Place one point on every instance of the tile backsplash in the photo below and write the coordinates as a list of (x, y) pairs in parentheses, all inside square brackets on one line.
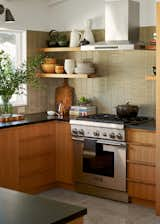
[(120, 79)]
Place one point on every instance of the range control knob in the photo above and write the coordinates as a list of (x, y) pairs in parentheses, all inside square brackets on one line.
[(81, 132), (104, 134), (119, 136), (75, 131), (96, 133), (112, 135)]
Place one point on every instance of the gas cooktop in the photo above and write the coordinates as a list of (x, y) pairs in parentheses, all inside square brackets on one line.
[(112, 118)]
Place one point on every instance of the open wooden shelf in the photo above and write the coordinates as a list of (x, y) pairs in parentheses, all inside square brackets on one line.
[(59, 49), (70, 76), (150, 77)]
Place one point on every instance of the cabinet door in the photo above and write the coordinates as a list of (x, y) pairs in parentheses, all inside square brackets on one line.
[(9, 176), (37, 156), (64, 153)]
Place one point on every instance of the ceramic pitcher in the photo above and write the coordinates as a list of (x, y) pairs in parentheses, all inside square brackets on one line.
[(75, 38)]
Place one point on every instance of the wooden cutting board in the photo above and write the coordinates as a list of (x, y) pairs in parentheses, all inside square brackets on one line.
[(64, 94)]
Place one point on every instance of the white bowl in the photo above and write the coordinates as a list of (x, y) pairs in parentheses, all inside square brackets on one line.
[(51, 112)]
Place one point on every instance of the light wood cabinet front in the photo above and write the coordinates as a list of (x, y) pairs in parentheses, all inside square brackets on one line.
[(37, 157), (9, 149), (141, 153), (64, 153), (141, 156)]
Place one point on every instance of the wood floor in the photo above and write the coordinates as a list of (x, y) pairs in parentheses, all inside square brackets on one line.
[(103, 211)]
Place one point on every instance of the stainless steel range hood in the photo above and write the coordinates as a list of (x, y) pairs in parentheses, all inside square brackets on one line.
[(121, 26)]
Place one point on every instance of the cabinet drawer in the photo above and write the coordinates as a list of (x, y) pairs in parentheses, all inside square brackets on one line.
[(144, 174), (141, 136), (36, 147), (141, 191), (36, 165), (141, 153), (36, 181)]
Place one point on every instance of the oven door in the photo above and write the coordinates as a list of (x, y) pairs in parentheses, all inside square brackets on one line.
[(102, 163)]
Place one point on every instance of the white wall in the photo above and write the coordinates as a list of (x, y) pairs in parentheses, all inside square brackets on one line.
[(29, 14), (73, 13), (37, 15)]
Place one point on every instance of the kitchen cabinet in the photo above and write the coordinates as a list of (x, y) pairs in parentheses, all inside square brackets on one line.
[(37, 156), (141, 155), (9, 149), (64, 154)]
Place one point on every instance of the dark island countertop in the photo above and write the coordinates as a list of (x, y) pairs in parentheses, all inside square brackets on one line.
[(18, 208), (33, 119)]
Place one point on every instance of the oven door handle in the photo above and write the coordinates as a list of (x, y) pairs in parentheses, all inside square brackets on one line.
[(105, 142), (89, 153)]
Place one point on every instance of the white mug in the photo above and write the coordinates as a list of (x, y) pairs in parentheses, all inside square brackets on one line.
[(69, 66)]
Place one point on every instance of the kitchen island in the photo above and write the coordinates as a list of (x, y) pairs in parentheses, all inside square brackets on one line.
[(18, 208)]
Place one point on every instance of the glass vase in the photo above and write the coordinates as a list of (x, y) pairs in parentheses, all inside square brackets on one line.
[(6, 108)]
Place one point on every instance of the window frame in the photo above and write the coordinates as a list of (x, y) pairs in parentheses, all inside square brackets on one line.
[(21, 56)]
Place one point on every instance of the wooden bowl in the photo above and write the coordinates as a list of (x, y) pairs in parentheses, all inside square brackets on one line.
[(50, 60), (48, 68), (59, 69)]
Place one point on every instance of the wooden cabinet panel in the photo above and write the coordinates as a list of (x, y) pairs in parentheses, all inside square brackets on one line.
[(37, 156), (141, 156), (141, 136), (140, 153), (141, 173), (64, 153), (37, 164), (142, 191), (36, 182), (9, 149)]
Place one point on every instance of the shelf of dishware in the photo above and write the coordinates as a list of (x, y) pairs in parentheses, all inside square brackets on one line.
[(66, 76), (150, 77), (59, 49)]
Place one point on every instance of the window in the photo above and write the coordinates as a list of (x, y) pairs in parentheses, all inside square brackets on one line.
[(14, 43)]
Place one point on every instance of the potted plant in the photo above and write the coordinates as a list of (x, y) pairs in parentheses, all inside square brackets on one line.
[(11, 78), (62, 40)]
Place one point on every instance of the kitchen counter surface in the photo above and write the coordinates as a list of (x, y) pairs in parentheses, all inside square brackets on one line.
[(148, 125), (43, 117), (18, 208), (33, 119)]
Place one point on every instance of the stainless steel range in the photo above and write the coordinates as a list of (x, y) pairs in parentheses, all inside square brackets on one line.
[(100, 155)]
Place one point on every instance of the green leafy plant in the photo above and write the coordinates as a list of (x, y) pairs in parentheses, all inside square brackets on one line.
[(11, 78), (84, 100)]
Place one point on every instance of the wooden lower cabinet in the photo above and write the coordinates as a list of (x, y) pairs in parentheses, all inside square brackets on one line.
[(141, 166), (64, 154), (9, 162), (36, 157)]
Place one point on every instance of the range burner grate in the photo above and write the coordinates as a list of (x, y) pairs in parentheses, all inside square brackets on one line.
[(112, 118)]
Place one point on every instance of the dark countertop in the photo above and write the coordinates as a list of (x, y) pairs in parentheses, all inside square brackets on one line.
[(18, 208), (33, 119), (43, 117), (148, 125)]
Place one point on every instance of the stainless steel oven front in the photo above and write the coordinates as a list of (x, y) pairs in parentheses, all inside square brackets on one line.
[(101, 163)]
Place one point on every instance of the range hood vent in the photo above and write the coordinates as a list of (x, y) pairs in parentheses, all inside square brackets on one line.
[(121, 26)]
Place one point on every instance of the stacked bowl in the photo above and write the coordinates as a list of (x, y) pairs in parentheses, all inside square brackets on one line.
[(85, 68), (49, 65)]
